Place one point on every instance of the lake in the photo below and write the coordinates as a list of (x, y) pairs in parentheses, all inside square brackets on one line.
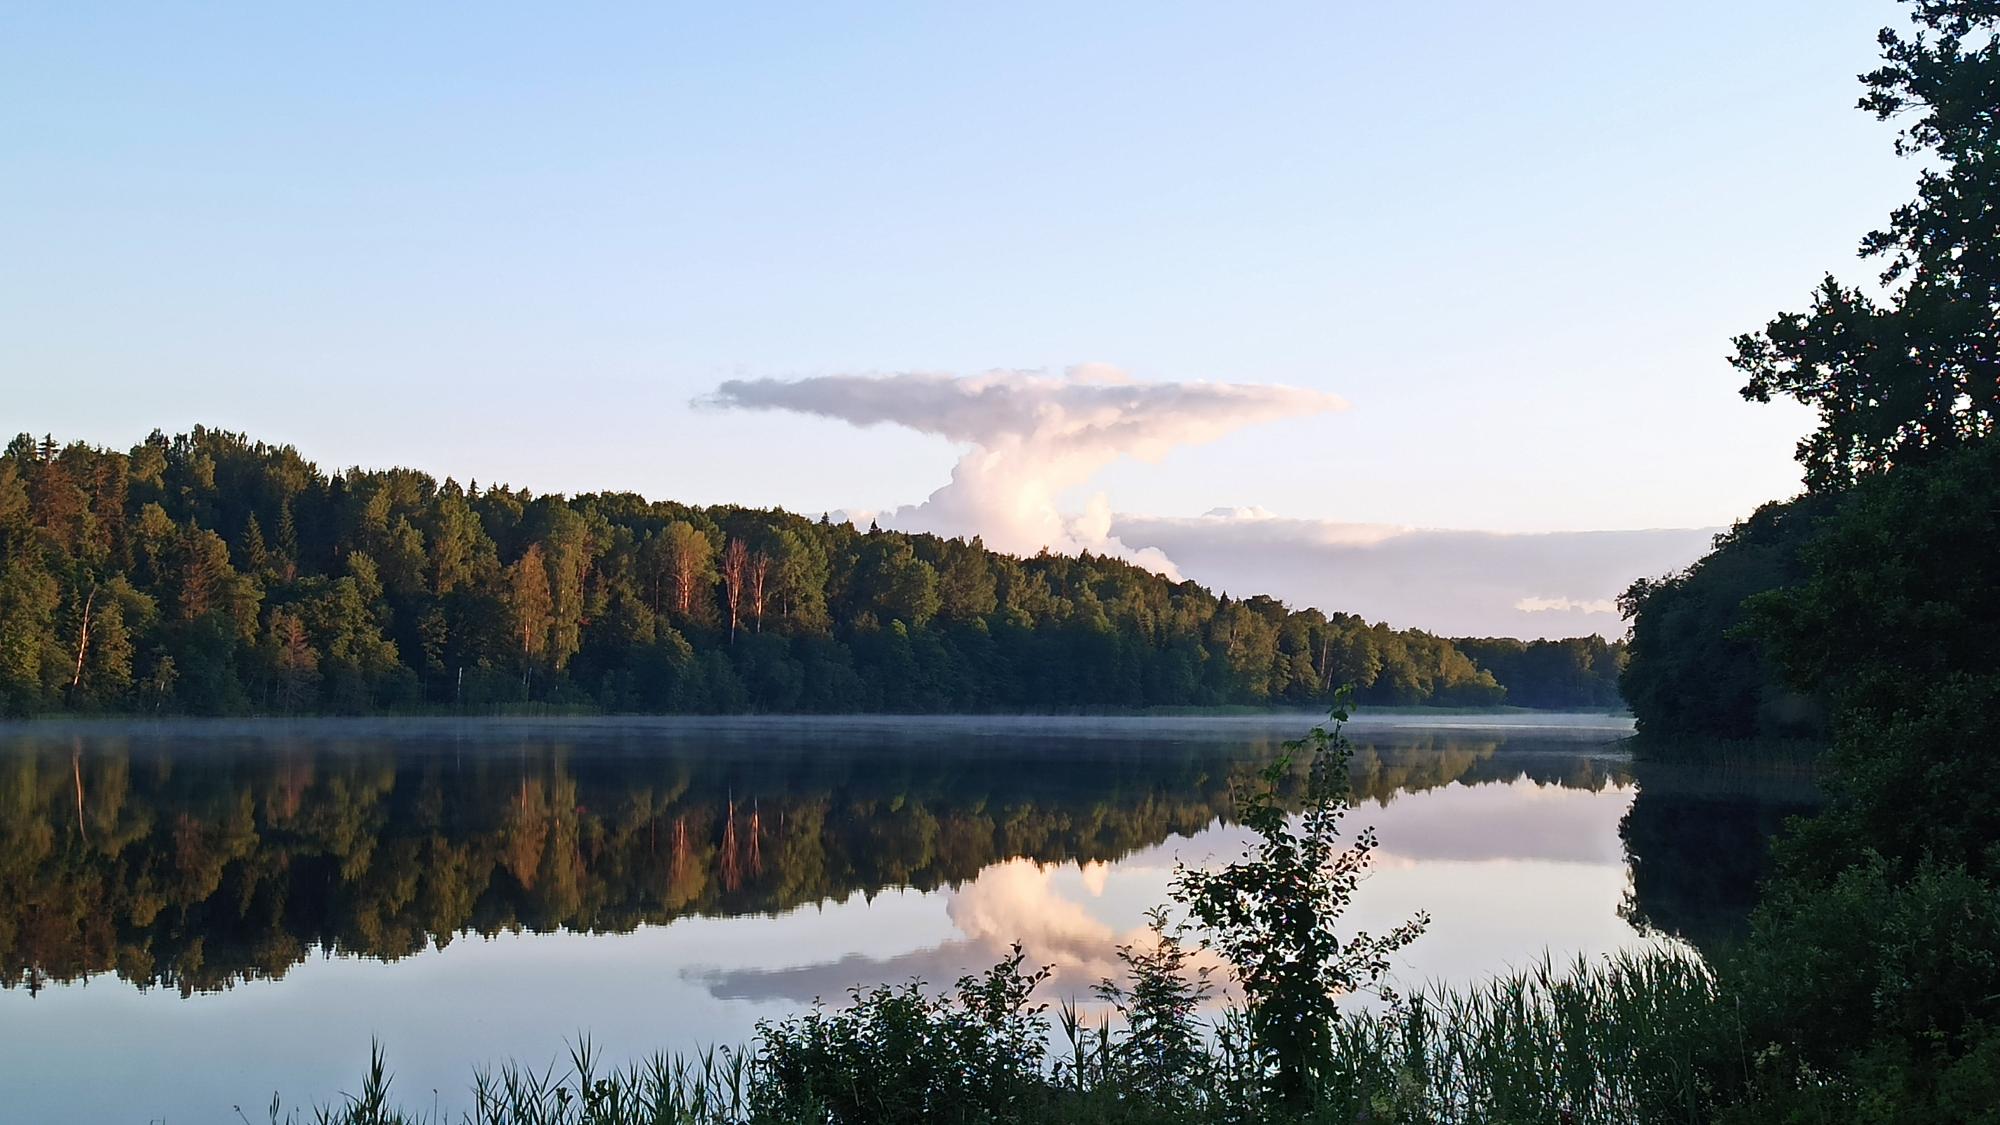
[(195, 915)]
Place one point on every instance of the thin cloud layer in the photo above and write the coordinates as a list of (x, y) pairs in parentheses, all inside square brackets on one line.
[(1033, 437), (1459, 583), (1565, 605)]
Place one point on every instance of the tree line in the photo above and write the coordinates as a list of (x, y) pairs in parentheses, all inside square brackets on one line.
[(1866, 612), (207, 573)]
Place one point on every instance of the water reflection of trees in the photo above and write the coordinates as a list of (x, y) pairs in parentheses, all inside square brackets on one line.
[(194, 868), (1697, 839)]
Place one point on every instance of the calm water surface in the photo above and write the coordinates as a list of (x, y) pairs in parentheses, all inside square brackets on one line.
[(193, 916)]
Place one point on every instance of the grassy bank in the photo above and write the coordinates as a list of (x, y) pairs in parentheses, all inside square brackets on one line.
[(1633, 1038)]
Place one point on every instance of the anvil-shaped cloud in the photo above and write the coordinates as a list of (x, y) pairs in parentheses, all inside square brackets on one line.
[(1033, 436)]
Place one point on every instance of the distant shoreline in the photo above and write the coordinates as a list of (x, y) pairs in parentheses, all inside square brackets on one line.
[(1290, 721)]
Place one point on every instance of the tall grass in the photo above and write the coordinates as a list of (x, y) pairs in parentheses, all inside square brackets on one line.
[(1636, 1037), (712, 1087), (1639, 1037)]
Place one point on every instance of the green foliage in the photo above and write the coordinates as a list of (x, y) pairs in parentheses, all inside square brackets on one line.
[(1692, 669), (1899, 378), (1159, 1058), (250, 581), (1572, 674), (1273, 914), (1899, 588), (1876, 957), (1872, 979), (1639, 1037), (1895, 622), (1872, 956), (902, 1055), (1642, 1037), (712, 1088)]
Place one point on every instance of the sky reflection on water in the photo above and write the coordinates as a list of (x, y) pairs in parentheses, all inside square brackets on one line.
[(1515, 854)]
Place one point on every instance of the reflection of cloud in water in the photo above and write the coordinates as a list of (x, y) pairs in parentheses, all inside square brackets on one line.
[(831, 980), (1011, 901), (1014, 901), (1518, 824), (1094, 877)]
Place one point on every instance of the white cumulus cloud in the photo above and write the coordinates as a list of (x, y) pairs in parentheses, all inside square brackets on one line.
[(1032, 436)]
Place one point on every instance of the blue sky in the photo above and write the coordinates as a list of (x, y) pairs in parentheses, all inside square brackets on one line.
[(512, 243)]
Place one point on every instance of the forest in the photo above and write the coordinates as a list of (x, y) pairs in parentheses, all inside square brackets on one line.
[(211, 574), (1865, 614)]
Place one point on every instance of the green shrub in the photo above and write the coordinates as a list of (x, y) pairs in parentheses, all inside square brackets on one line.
[(903, 1055)]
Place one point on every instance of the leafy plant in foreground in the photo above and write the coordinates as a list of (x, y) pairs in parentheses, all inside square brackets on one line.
[(1160, 1062), (904, 1055), (1272, 914)]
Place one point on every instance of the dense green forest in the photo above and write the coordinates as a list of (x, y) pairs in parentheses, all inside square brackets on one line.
[(1695, 669), (1868, 608), (211, 574), (1575, 672)]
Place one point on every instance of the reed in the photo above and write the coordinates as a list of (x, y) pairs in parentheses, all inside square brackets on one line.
[(711, 1087), (1642, 1036), (1637, 1037)]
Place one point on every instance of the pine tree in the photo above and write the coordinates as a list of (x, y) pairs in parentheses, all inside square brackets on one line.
[(288, 535), (255, 555)]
